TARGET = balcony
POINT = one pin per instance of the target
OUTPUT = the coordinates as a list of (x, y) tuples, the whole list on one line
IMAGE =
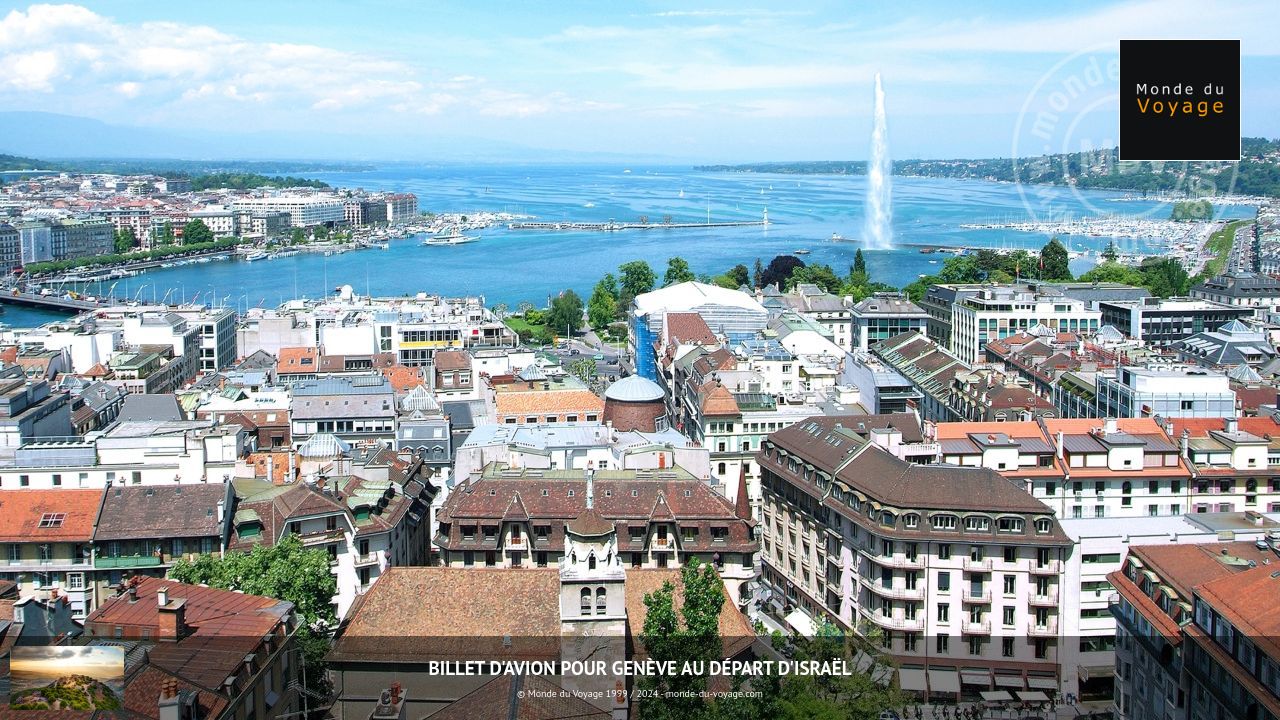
[(517, 543), (1043, 600), (972, 565), (128, 561), (982, 627), (50, 564), (1048, 628), (368, 559), (893, 561), (977, 596), (1052, 567), (324, 537), (897, 623), (896, 593), (663, 544)]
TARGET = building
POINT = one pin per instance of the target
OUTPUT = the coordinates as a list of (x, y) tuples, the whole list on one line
[(133, 216), (264, 223), (1260, 293), (48, 543), (10, 248), (143, 530), (929, 367), (635, 403), (401, 207), (1235, 463), (724, 311), (65, 239), (880, 388), (304, 210), (830, 311), (366, 523), (531, 397), (451, 374), (958, 568), (352, 408), (1164, 321), (592, 605), (882, 316), (222, 222), (30, 410), (1195, 629), (1229, 346), (209, 653), (997, 312), (1164, 390), (516, 517)]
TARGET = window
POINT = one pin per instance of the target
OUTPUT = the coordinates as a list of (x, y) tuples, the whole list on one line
[(944, 613), (585, 602), (1006, 646), (57, 480), (490, 558), (1011, 525), (24, 481), (1043, 526), (944, 581), (601, 603), (941, 644), (1010, 554), (51, 520), (1010, 584), (1008, 616), (944, 551)]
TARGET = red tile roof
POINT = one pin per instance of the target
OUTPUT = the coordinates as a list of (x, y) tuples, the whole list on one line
[(61, 515), (452, 360), (684, 328), (1200, 427), (297, 360), (402, 378)]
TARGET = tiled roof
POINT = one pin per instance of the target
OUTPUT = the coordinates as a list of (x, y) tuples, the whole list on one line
[(160, 512), (1200, 427), (452, 360), (717, 400), (297, 360), (1248, 601), (736, 633), (550, 402), (688, 328), (402, 378), (60, 514)]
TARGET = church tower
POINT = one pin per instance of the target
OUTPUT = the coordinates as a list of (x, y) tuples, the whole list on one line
[(593, 606)]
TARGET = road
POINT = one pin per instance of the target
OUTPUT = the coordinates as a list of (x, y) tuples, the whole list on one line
[(608, 366)]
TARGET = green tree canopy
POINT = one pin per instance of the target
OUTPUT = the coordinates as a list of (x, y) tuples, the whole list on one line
[(739, 275), (637, 278), (779, 271), (677, 272), (602, 308), (821, 275), (1111, 254), (666, 638), (565, 313), (1054, 261), (859, 262), (196, 232), (125, 241)]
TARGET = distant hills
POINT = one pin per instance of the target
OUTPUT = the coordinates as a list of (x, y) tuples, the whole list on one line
[(70, 692), (1258, 171)]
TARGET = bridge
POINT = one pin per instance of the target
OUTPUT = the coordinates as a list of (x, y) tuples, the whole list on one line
[(51, 302)]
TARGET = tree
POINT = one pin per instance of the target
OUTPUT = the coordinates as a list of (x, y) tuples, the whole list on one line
[(501, 310), (757, 274), (321, 232), (697, 639), (1054, 261), (637, 278), (297, 236), (565, 313), (523, 308), (779, 271), (821, 275), (584, 368), (859, 262), (1165, 277), (286, 571), (862, 694), (196, 232), (739, 275), (677, 272), (602, 308), (166, 235), (125, 241), (1113, 272), (1110, 254)]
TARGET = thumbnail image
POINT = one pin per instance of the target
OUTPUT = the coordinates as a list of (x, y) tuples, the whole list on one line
[(66, 678)]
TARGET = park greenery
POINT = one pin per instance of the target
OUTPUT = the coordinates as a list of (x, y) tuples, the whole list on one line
[(160, 252), (249, 181), (288, 571)]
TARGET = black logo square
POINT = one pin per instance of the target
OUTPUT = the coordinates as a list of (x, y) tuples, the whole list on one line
[(1179, 99)]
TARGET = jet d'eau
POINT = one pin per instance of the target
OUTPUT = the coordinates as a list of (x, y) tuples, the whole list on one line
[(877, 232)]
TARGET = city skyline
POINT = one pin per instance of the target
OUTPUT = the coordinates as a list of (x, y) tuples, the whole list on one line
[(680, 83)]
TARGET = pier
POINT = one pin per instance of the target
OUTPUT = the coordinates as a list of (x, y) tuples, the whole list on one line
[(612, 226)]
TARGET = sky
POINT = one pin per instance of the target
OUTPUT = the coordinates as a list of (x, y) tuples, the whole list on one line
[(681, 80)]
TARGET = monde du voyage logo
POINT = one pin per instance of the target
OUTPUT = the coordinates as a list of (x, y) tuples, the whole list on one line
[(1180, 100)]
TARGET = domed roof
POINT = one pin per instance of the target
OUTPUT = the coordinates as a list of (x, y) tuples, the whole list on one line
[(634, 389), (323, 445)]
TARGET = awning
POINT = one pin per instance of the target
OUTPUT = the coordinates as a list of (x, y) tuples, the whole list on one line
[(1033, 696), (944, 681), (911, 679), (1044, 683), (996, 696), (975, 677), (801, 623), (1014, 681)]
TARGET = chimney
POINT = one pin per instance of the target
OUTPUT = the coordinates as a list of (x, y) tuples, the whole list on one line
[(1110, 426), (1058, 450), (591, 487), (1185, 443), (162, 595), (133, 594), (391, 704), (173, 620), (222, 510), (172, 703), (1232, 424)]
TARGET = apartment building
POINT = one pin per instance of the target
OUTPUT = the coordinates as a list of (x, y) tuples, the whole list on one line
[(30, 410), (813, 303), (1163, 390), (517, 517), (10, 248), (352, 408), (365, 523), (1255, 291), (401, 207), (958, 568), (930, 368), (208, 653), (1195, 629), (304, 210), (1235, 463), (882, 316), (1163, 321), (996, 312), (48, 544)]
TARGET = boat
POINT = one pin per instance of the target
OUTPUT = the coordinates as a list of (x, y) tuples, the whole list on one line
[(836, 237), (928, 250), (802, 252), (589, 205), (451, 238), (255, 255)]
